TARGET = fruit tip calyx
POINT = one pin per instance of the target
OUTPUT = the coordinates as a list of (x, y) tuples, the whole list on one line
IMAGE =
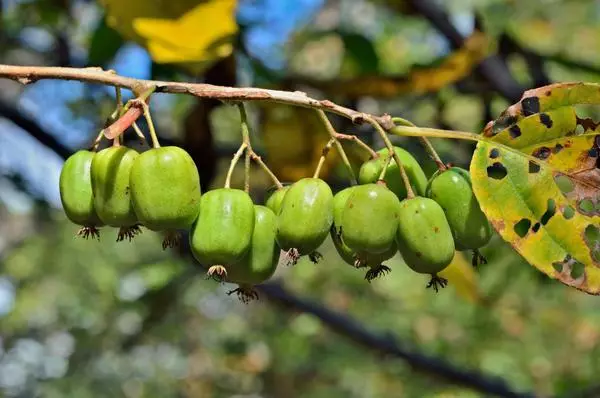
[(128, 232), (217, 273), (87, 232), (376, 272), (245, 294), (292, 256), (172, 239), (437, 283), (478, 258), (315, 257)]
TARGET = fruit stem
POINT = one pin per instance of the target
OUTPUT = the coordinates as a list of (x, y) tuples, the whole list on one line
[(324, 153), (119, 101), (266, 169), (359, 142), (385, 166), (148, 116), (139, 133), (250, 154), (234, 160), (97, 141), (409, 191), (425, 143), (245, 140), (334, 136)]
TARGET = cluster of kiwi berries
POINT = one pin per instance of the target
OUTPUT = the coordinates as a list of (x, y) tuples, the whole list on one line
[(369, 223), (241, 242), (160, 190)]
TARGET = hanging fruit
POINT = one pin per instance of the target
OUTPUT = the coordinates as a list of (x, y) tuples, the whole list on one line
[(304, 219), (424, 238), (112, 194), (451, 189), (371, 170), (222, 234), (165, 191), (76, 193), (262, 258)]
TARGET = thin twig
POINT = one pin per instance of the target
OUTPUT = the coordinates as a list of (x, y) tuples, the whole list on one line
[(250, 154), (424, 142), (359, 142), (128, 114), (30, 74), (333, 134)]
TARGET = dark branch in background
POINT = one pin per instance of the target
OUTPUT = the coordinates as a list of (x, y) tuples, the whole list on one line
[(386, 344), (534, 61), (492, 69), (34, 129)]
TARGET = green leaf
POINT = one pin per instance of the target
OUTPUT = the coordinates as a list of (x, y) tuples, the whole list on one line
[(361, 52), (104, 45), (544, 198)]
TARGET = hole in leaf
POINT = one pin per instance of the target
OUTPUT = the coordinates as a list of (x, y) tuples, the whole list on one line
[(564, 183), (514, 131), (530, 105), (542, 153), (494, 153), (591, 236), (522, 227), (558, 266), (586, 206), (546, 120), (577, 270), (593, 153), (549, 212), (568, 212), (496, 171), (533, 167), (536, 227)]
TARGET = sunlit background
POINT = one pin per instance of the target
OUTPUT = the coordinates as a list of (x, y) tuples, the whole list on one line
[(87, 319)]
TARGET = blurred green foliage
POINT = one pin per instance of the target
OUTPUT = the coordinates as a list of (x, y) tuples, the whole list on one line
[(96, 319)]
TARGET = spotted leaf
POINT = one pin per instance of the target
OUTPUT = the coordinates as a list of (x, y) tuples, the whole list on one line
[(542, 194)]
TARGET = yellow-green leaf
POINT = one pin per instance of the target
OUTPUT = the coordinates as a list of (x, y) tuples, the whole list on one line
[(543, 196)]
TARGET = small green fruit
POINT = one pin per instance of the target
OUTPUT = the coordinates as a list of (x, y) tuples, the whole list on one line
[(112, 194), (370, 219), (165, 190), (365, 259), (424, 237), (76, 193), (371, 170), (276, 198), (451, 189), (305, 217), (223, 231), (260, 262), (339, 202)]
